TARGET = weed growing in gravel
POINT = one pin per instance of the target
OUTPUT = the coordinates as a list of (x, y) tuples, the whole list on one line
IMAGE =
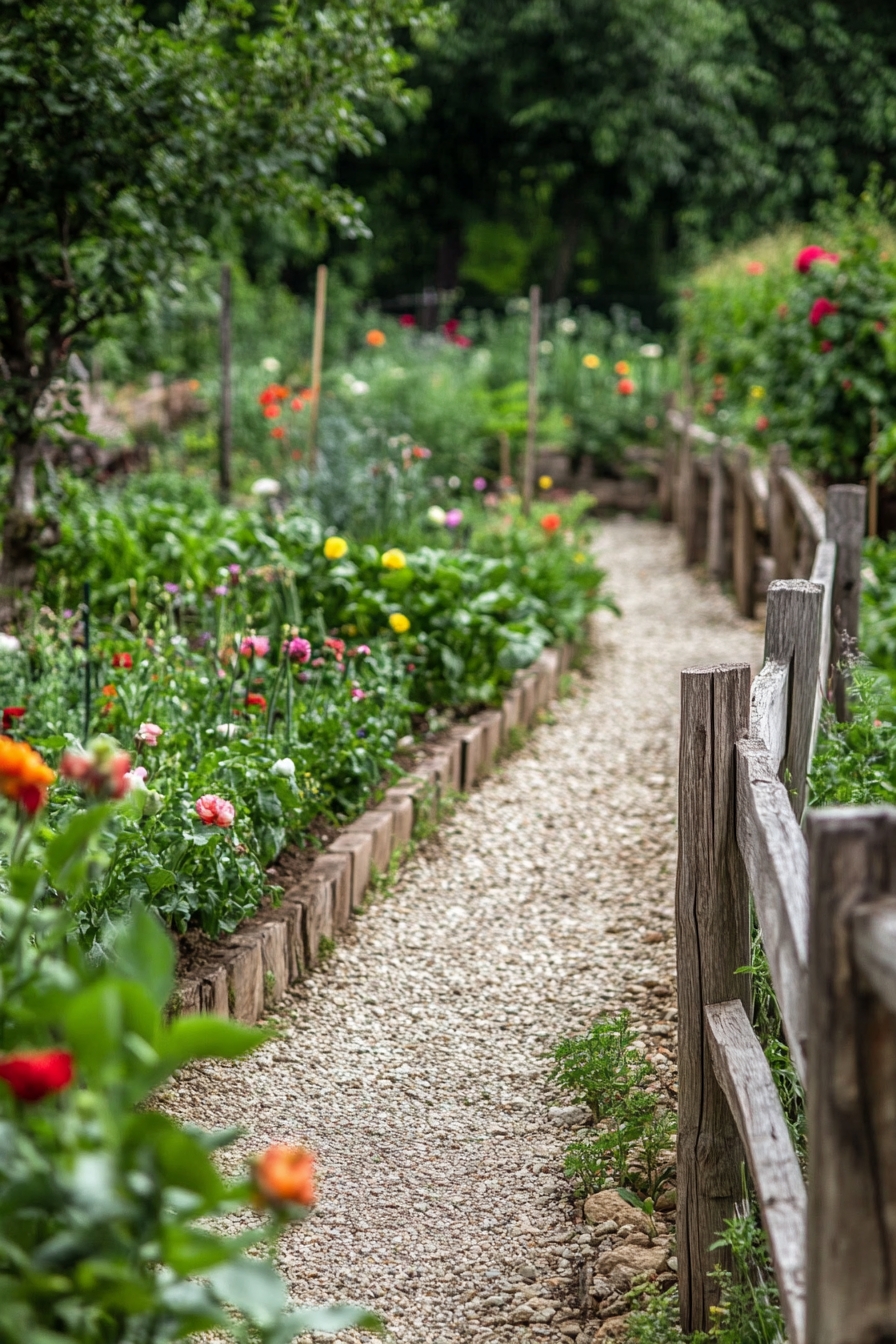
[(604, 1071), (749, 1312)]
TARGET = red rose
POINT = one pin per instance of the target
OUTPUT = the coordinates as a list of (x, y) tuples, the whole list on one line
[(122, 660), (256, 700), (821, 308), (34, 1074), (407, 320), (12, 712)]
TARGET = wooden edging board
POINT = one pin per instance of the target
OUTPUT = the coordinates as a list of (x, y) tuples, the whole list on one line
[(247, 971)]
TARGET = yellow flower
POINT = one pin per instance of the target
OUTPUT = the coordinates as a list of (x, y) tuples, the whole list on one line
[(591, 361), (335, 548), (545, 482), (399, 622), (579, 558), (394, 559), (757, 392)]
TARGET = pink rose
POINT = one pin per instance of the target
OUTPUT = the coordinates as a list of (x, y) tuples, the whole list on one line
[(214, 811), (257, 645), (358, 694), (297, 650), (148, 734)]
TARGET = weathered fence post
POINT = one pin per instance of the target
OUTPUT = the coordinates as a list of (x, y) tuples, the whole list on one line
[(225, 431), (845, 520), (686, 483), (713, 931), (532, 414), (667, 477), (851, 1265), (716, 547), (781, 517), (793, 635), (317, 361), (743, 548)]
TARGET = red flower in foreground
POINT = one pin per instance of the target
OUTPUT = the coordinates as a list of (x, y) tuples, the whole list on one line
[(625, 387), (256, 700), (550, 522), (11, 713), (805, 259), (34, 1074), (821, 308), (272, 410), (284, 1175), (122, 660)]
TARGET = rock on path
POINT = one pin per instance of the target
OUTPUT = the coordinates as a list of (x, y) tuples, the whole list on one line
[(414, 1062)]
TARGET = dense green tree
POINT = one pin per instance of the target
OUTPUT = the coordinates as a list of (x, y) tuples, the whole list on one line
[(124, 146), (604, 136)]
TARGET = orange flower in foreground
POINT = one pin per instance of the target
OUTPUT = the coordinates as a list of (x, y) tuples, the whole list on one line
[(375, 337), (550, 522), (284, 1175), (24, 775)]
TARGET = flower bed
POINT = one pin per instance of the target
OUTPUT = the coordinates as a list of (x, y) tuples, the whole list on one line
[(262, 676)]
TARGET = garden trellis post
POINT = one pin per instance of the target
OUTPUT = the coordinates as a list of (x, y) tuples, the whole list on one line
[(317, 359), (531, 428), (225, 428)]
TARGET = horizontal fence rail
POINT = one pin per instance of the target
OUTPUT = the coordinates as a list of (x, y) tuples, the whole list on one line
[(825, 907)]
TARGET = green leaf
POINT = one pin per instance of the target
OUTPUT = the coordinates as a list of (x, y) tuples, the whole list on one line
[(252, 1286), (143, 952), (159, 879), (207, 1038)]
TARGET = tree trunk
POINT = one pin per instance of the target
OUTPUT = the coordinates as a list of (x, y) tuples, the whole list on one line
[(21, 529)]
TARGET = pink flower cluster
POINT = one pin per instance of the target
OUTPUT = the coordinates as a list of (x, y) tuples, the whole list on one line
[(297, 650), (148, 734), (257, 646), (215, 811), (809, 255)]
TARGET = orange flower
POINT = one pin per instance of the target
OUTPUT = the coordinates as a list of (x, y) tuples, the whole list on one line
[(622, 367), (24, 776), (284, 1175), (375, 337), (550, 522), (271, 411), (109, 691), (278, 432)]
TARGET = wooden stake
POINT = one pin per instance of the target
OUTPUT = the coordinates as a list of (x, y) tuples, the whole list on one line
[(712, 912), (534, 333), (317, 359), (872, 479), (225, 430), (845, 524)]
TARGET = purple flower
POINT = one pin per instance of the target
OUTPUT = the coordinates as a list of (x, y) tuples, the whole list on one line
[(234, 571), (361, 732), (480, 483), (67, 614), (304, 676), (454, 517), (221, 590), (297, 650), (171, 588)]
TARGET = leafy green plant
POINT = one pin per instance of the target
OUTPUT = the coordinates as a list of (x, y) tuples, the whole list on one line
[(109, 1206), (601, 1069)]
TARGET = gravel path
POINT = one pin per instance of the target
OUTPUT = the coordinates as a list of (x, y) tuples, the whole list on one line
[(413, 1063)]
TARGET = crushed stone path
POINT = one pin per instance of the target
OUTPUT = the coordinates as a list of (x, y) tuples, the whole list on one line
[(414, 1062)]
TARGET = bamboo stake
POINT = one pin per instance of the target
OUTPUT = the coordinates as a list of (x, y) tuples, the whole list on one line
[(225, 428), (534, 332), (317, 359)]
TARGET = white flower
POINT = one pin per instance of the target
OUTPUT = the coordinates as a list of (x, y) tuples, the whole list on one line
[(227, 729), (286, 767), (265, 485), (436, 515), (651, 351), (359, 387), (271, 364), (568, 326), (454, 482), (546, 347), (9, 644)]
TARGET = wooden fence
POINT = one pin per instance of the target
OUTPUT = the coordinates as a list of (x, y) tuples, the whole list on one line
[(823, 894)]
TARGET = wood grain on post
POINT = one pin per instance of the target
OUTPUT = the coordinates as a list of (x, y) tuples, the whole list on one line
[(715, 528), (225, 427), (793, 635), (696, 539), (532, 421), (743, 537), (743, 1071), (317, 361), (781, 518), (845, 526), (824, 571), (666, 484), (852, 1087), (685, 493), (713, 932)]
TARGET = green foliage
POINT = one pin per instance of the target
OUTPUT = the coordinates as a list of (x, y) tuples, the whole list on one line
[(769, 1028), (855, 762), (159, 127), (108, 1205), (750, 1310), (766, 366), (878, 616), (604, 1071)]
